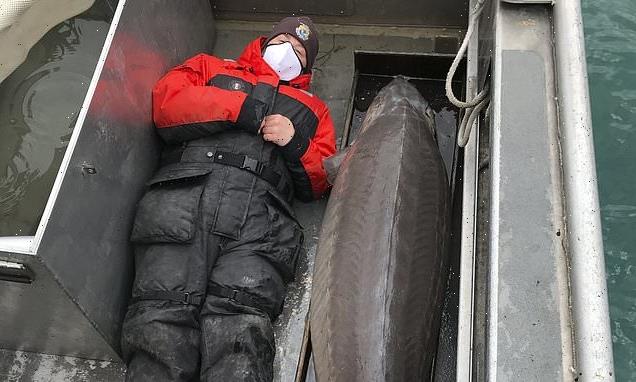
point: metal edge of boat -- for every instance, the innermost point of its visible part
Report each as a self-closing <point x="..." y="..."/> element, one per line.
<point x="586" y="349"/>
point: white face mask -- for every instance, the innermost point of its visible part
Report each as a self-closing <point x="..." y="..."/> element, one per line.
<point x="283" y="59"/>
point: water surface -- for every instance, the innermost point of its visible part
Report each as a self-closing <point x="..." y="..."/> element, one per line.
<point x="39" y="105"/>
<point x="610" y="28"/>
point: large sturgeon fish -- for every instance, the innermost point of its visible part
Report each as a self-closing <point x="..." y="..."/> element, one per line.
<point x="380" y="268"/>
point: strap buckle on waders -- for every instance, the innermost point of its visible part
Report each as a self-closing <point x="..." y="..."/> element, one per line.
<point x="233" y="295"/>
<point x="197" y="154"/>
<point x="237" y="296"/>
<point x="185" y="298"/>
<point x="190" y="299"/>
<point x="252" y="165"/>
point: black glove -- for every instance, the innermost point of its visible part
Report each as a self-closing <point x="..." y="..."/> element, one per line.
<point x="256" y="106"/>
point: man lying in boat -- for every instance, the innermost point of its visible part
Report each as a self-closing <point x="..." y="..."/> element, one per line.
<point x="215" y="237"/>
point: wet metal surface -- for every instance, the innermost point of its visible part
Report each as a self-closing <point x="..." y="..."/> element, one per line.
<point x="290" y="325"/>
<point x="31" y="367"/>
<point x="431" y="13"/>
<point x="446" y="356"/>
<point x="529" y="333"/>
<point x="382" y="258"/>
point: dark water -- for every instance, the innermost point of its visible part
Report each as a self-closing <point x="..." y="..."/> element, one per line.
<point x="39" y="105"/>
<point x="610" y="28"/>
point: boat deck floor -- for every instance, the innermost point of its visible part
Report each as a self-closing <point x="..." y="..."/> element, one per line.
<point x="332" y="82"/>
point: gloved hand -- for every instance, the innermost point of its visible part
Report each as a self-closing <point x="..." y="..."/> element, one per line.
<point x="258" y="104"/>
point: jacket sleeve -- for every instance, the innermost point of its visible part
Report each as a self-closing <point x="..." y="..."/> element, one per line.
<point x="185" y="107"/>
<point x="304" y="156"/>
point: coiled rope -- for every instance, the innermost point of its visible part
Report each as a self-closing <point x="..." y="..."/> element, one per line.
<point x="476" y="105"/>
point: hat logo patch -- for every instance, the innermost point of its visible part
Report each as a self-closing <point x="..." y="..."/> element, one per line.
<point x="303" y="32"/>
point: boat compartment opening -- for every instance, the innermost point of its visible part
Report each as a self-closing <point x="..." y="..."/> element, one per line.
<point x="42" y="88"/>
<point x="427" y="72"/>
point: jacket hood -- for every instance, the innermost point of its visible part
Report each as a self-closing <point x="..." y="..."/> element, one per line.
<point x="252" y="58"/>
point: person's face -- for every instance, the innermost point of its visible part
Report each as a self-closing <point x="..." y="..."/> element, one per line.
<point x="298" y="47"/>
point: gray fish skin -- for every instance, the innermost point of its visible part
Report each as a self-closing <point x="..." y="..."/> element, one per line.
<point x="380" y="268"/>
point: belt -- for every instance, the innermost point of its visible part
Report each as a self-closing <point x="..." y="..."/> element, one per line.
<point x="241" y="297"/>
<point x="186" y="298"/>
<point x="243" y="162"/>
<point x="175" y="296"/>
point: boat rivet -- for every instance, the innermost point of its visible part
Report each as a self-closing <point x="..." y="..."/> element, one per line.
<point x="89" y="169"/>
<point x="209" y="154"/>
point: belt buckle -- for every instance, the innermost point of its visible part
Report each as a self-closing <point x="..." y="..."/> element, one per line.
<point x="251" y="164"/>
<point x="233" y="296"/>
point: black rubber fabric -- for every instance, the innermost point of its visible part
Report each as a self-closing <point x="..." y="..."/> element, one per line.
<point x="251" y="115"/>
<point x="223" y="340"/>
<point x="255" y="107"/>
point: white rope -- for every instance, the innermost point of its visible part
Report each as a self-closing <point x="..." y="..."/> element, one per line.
<point x="468" y="120"/>
<point x="476" y="105"/>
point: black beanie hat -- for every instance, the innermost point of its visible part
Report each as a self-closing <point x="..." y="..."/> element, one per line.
<point x="303" y="29"/>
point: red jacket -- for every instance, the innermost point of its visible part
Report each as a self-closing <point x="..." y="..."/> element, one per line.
<point x="207" y="95"/>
